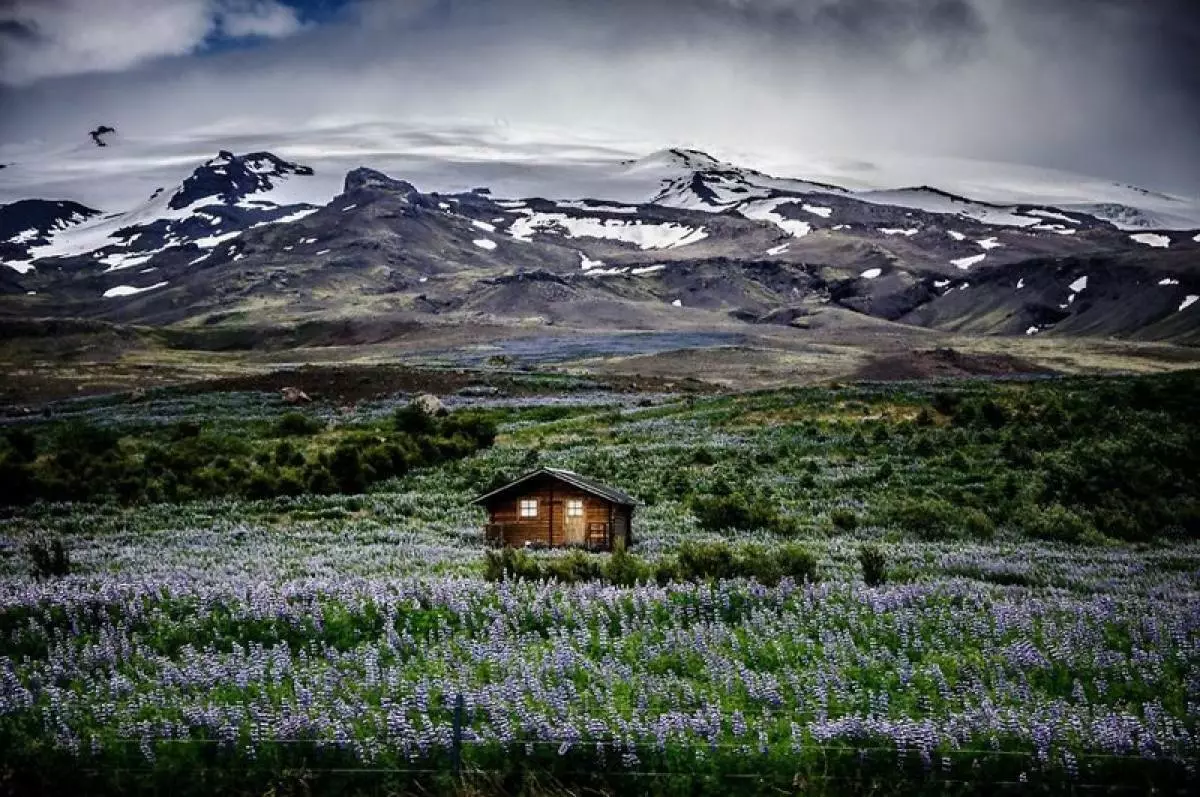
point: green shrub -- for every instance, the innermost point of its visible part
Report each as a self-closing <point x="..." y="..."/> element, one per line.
<point x="1056" y="522"/>
<point x="797" y="562"/>
<point x="48" y="559"/>
<point x="843" y="518"/>
<point x="735" y="511"/>
<point x="874" y="565"/>
<point x="297" y="424"/>
<point x="23" y="444"/>
<point x="625" y="570"/>
<point x="287" y="454"/>
<point x="413" y="420"/>
<point x="935" y="519"/>
<point x="185" y="430"/>
<point x="346" y="468"/>
<point x="753" y="561"/>
<point x="510" y="563"/>
<point x="574" y="568"/>
<point x="476" y="427"/>
<point x="698" y="561"/>
<point x="666" y="571"/>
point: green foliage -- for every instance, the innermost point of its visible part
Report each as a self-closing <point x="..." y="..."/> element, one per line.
<point x="703" y="560"/>
<point x="296" y="424"/>
<point x="844" y="518"/>
<point x="874" y="565"/>
<point x="81" y="461"/>
<point x="48" y="559"/>
<point x="936" y="519"/>
<point x="736" y="511"/>
<point x="625" y="570"/>
<point x="695" y="561"/>
<point x="797" y="562"/>
<point x="413" y="420"/>
<point x="1056" y="522"/>
<point x="510" y="563"/>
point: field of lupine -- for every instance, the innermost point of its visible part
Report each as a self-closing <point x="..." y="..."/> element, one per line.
<point x="1038" y="628"/>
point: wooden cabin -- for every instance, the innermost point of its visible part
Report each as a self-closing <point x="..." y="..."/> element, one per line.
<point x="557" y="508"/>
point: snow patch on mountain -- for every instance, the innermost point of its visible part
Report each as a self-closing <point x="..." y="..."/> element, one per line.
<point x="766" y="211"/>
<point x="965" y="263"/>
<point x="130" y="290"/>
<point x="644" y="235"/>
<point x="1152" y="239"/>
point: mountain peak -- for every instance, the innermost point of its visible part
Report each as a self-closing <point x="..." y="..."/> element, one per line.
<point x="364" y="179"/>
<point x="229" y="178"/>
<point x="677" y="158"/>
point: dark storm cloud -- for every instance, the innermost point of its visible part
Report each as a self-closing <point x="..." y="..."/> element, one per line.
<point x="1106" y="86"/>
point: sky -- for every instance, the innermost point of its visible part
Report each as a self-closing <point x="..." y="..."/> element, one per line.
<point x="1109" y="88"/>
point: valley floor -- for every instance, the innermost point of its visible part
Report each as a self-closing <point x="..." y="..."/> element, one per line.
<point x="1037" y="626"/>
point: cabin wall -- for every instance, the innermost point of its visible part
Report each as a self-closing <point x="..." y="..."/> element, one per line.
<point x="549" y="528"/>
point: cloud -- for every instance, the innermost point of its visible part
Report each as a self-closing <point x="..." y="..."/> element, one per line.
<point x="52" y="38"/>
<point x="1110" y="87"/>
<point x="265" y="18"/>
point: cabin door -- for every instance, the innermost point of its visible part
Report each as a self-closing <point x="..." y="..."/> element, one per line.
<point x="573" y="522"/>
<point x="619" y="530"/>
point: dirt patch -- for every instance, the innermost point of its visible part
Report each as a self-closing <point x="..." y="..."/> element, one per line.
<point x="945" y="363"/>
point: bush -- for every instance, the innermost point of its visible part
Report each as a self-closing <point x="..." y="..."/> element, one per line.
<point x="297" y="424"/>
<point x="509" y="563"/>
<point x="752" y="561"/>
<point x="734" y="511"/>
<point x="48" y="559"/>
<point x="698" y="561"/>
<point x="843" y="518"/>
<point x="413" y="420"/>
<point x="1056" y="522"/>
<point x="626" y="570"/>
<point x="935" y="519"/>
<point x="23" y="444"/>
<point x="477" y="428"/>
<point x="574" y="568"/>
<point x="874" y="565"/>
<point x="797" y="562"/>
<point x="346" y="468"/>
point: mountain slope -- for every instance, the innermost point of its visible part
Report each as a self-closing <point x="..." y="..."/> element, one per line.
<point x="685" y="234"/>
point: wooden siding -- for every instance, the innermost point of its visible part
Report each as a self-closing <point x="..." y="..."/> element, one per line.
<point x="549" y="527"/>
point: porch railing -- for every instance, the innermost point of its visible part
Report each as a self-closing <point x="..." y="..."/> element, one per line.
<point x="597" y="535"/>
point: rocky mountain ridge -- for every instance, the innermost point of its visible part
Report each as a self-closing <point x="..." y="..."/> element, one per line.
<point x="227" y="246"/>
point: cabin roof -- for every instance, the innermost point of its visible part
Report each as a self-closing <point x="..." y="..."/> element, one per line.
<point x="569" y="477"/>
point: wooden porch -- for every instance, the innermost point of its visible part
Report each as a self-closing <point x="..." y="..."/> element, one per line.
<point x="597" y="535"/>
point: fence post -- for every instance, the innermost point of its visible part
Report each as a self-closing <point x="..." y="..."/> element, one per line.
<point x="456" y="744"/>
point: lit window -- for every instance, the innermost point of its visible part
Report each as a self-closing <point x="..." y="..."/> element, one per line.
<point x="575" y="507"/>
<point x="528" y="507"/>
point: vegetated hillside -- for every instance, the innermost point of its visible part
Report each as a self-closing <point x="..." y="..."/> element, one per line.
<point x="824" y="584"/>
<point x="1070" y="459"/>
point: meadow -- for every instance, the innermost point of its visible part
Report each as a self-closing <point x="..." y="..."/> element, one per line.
<point x="1030" y="620"/>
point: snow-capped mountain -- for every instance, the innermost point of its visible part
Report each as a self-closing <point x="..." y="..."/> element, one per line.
<point x="582" y="238"/>
<point x="30" y="224"/>
<point x="219" y="200"/>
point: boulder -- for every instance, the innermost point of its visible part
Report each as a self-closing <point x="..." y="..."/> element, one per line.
<point x="294" y="395"/>
<point x="430" y="405"/>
